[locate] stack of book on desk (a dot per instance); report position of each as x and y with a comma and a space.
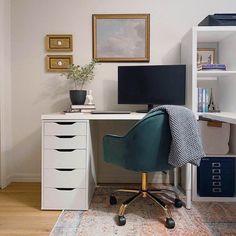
209, 67
86, 108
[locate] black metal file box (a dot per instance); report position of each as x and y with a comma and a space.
216, 177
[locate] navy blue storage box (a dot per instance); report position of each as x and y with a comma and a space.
215, 177
219, 20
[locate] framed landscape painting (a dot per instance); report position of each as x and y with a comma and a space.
121, 37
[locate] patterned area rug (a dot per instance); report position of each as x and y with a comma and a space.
144, 218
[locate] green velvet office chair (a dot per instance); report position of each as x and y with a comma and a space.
145, 148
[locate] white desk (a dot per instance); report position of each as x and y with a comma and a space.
228, 117
84, 116
49, 144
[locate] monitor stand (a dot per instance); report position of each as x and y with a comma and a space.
150, 107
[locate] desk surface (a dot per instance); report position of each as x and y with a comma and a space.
229, 117
85, 116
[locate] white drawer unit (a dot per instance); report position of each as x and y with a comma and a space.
65, 128
64, 158
64, 178
64, 142
64, 198
65, 165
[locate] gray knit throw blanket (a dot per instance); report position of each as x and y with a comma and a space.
186, 146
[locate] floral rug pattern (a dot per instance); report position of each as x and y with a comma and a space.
144, 218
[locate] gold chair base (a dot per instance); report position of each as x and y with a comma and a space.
145, 192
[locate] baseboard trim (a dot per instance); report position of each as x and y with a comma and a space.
25, 178
8, 181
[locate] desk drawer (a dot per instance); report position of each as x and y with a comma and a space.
65, 128
64, 178
64, 142
63, 158
68, 199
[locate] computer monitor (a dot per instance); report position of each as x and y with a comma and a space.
152, 85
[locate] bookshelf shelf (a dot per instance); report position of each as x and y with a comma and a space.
214, 34
215, 73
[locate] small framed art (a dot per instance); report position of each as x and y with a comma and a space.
206, 56
121, 37
59, 43
58, 63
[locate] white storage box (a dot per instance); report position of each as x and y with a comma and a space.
215, 137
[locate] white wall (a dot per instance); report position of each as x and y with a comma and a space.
5, 93
35, 92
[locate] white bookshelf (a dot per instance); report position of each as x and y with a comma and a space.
223, 83
215, 73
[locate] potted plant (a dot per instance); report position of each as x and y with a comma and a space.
80, 75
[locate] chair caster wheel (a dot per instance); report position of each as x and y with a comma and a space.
178, 203
113, 200
170, 223
121, 220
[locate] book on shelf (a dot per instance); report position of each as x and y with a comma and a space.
209, 67
199, 100
203, 99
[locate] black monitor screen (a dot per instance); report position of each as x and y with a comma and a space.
157, 84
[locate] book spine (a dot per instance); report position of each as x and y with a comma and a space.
200, 97
87, 110
204, 100
82, 106
207, 98
213, 66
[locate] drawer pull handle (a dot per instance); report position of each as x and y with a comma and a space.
216, 184
65, 150
65, 169
216, 190
216, 171
65, 123
216, 177
216, 164
65, 189
65, 136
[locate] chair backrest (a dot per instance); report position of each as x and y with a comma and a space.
148, 143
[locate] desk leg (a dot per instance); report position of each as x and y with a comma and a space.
176, 177
188, 181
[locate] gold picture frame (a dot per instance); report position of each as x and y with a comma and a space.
206, 56
121, 37
58, 63
59, 43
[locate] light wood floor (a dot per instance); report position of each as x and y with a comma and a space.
20, 212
